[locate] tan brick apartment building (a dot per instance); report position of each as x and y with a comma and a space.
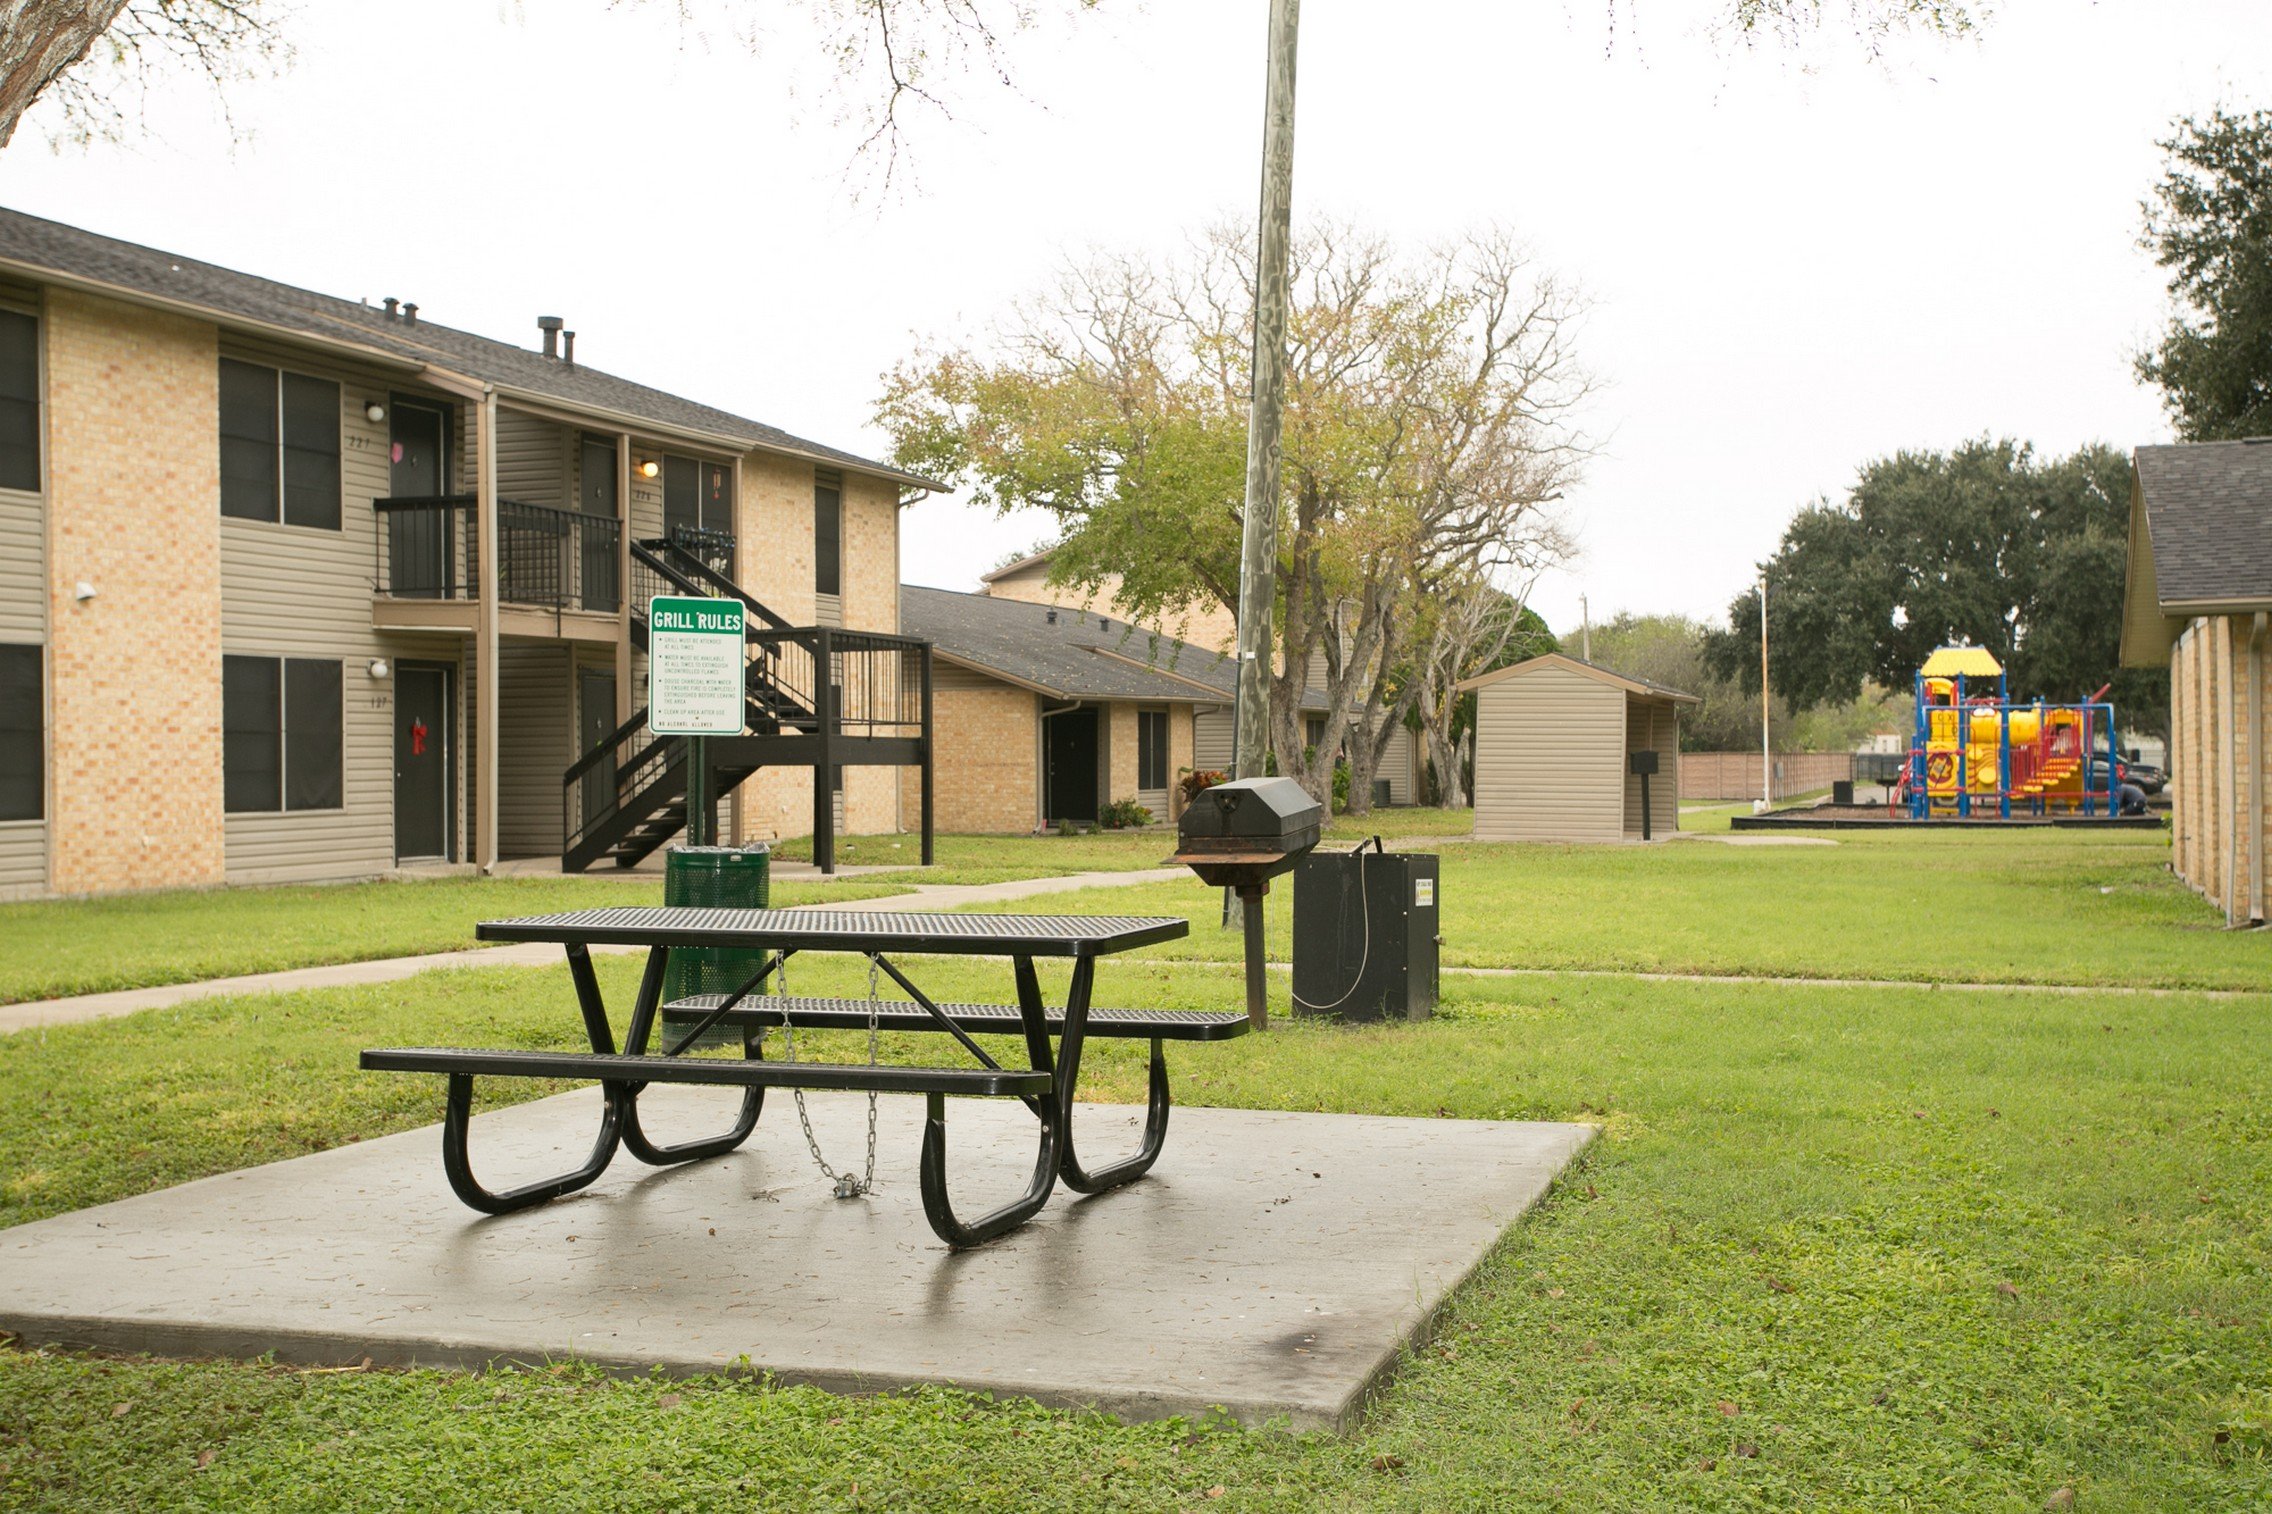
295, 587
2198, 600
1046, 713
1214, 629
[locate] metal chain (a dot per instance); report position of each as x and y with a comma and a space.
847, 1186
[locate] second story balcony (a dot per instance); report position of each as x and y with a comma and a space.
559, 572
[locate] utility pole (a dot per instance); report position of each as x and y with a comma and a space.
1586, 621
1258, 543
1766, 753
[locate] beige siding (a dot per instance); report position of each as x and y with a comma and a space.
1213, 728
23, 858
535, 731
2221, 809
23, 567
532, 460
23, 618
1549, 758
1397, 766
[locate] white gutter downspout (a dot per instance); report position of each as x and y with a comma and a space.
2256, 767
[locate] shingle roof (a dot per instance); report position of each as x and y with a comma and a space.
1593, 670
1076, 655
33, 245
2209, 519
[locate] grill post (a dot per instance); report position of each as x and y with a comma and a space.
1257, 983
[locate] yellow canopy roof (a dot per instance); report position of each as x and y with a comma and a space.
1970, 662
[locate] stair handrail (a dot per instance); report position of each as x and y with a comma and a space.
703, 579
604, 746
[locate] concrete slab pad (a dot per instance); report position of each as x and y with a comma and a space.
1272, 1264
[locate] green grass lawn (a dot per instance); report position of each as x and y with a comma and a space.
53, 947
2058, 907
1878, 1248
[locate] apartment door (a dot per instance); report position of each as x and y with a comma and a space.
1069, 765
421, 545
595, 694
422, 788
596, 495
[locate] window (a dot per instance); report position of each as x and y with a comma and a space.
280, 734
698, 494
828, 536
23, 755
1151, 749
19, 401
279, 446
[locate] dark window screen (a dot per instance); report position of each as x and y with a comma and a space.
1151, 749
828, 539
22, 745
311, 735
252, 730
682, 494
311, 452
248, 440
19, 401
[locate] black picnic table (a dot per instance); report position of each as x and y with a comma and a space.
1045, 1084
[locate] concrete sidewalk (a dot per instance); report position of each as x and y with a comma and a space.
38, 1012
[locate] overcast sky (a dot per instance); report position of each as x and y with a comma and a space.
1794, 262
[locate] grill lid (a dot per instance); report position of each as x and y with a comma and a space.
1270, 814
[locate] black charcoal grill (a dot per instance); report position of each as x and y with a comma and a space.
1239, 836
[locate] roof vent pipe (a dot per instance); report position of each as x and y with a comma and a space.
568, 348
1050, 616
391, 302
410, 313
550, 325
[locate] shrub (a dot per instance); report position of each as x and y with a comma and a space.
1340, 788
1199, 780
1124, 814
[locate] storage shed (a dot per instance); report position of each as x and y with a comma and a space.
1553, 742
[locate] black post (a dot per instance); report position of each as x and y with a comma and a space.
1257, 984
927, 754
824, 741
1644, 806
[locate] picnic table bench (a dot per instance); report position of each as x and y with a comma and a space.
1053, 1035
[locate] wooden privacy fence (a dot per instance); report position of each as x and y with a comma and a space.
1735, 775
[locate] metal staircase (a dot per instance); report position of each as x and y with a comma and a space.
626, 796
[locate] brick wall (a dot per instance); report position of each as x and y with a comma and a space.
1206, 625
134, 510
1180, 718
1117, 735
986, 767
871, 603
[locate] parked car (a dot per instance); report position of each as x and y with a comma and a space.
2143, 776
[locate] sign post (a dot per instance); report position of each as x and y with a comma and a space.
695, 663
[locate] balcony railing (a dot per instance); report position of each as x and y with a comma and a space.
548, 558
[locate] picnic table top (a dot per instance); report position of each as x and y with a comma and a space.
844, 930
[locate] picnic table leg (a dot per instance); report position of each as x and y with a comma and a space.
1048, 1109
457, 1119
635, 1139
1069, 1169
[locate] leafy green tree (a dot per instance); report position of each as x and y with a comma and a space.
2210, 224
1426, 433
1984, 544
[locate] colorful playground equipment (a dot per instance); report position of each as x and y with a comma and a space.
1971, 748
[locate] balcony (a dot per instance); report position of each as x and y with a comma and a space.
558, 571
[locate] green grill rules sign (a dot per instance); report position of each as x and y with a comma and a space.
694, 666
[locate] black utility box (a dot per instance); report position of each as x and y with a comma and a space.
1365, 934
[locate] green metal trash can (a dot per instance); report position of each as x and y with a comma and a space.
714, 877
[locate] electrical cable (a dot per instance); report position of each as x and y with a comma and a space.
1365, 958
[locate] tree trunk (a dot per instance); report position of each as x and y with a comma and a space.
1451, 780
39, 39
